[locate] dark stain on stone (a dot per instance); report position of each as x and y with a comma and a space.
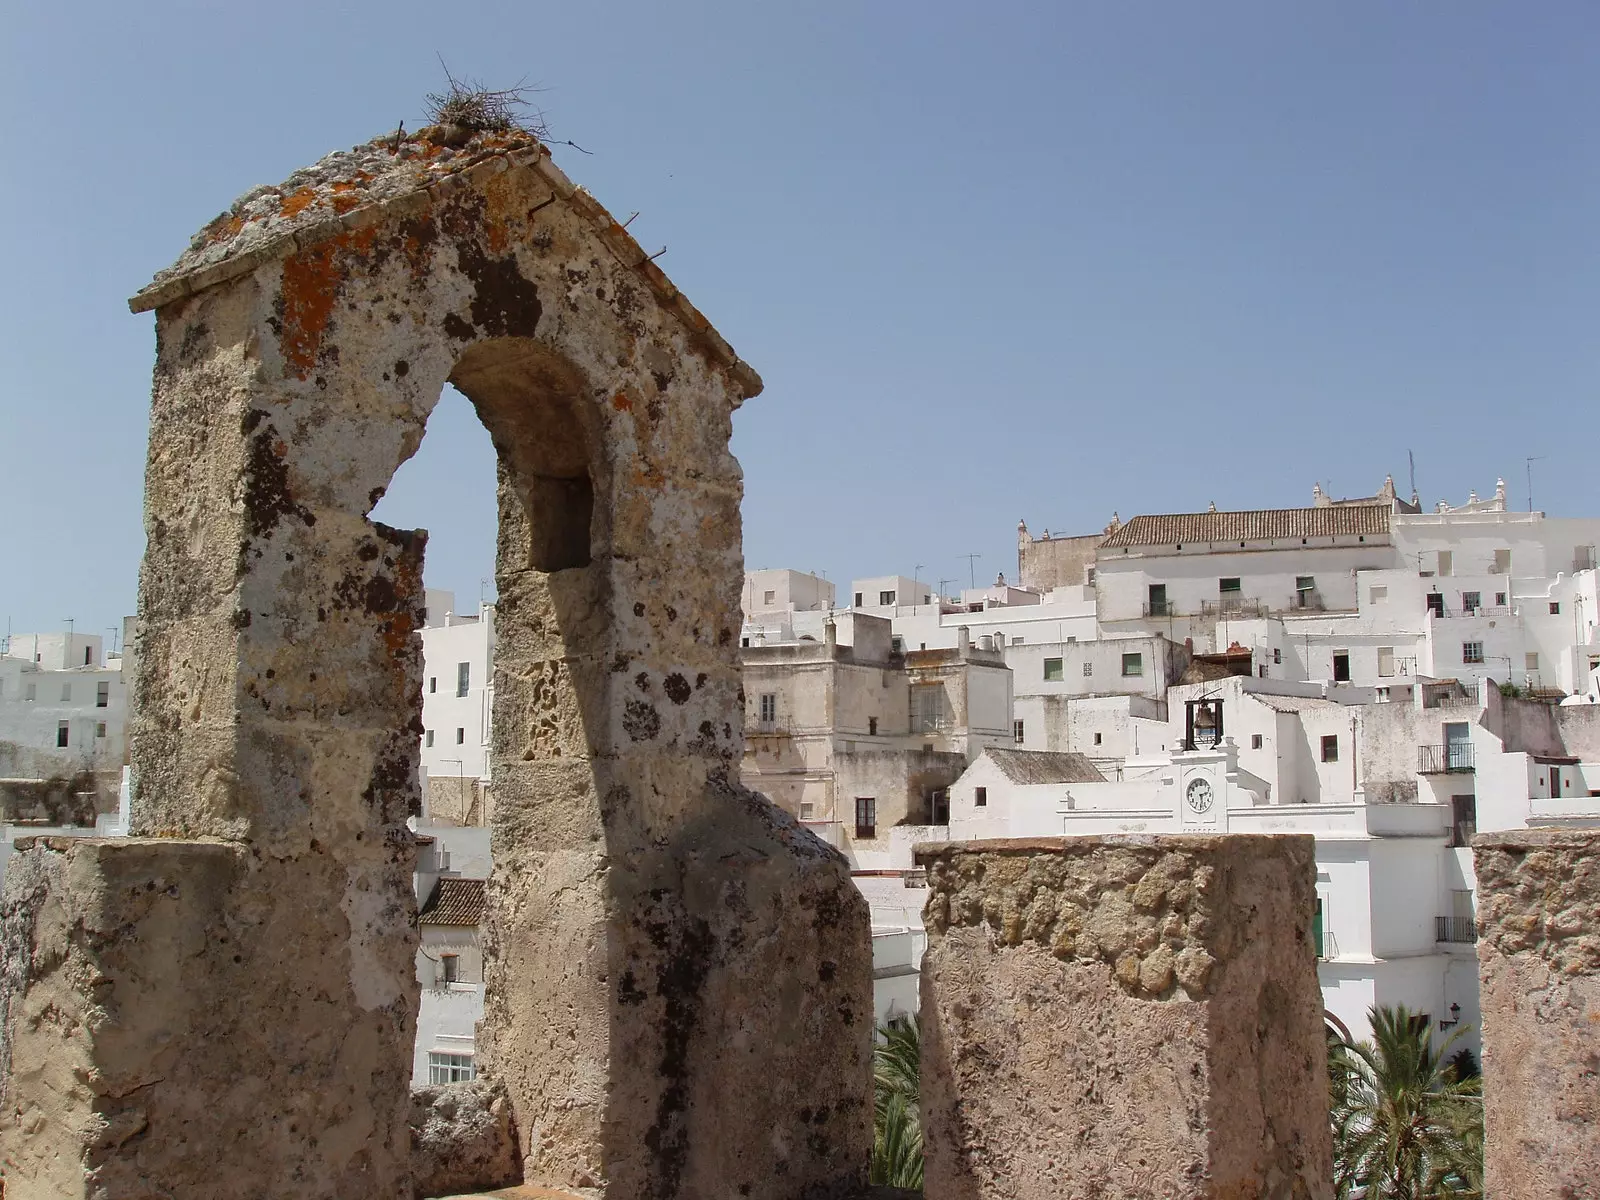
677, 688
642, 681
638, 610
241, 618
640, 720
628, 990
368, 552
672, 613
724, 637
458, 328
402, 368
267, 498
389, 789
699, 681
826, 971
619, 663
685, 947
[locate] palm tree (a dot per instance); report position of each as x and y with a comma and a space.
896, 1088
1404, 1126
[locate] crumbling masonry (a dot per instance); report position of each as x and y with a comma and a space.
223, 1005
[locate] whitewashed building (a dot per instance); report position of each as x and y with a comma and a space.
457, 702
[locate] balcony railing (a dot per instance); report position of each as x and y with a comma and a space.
1308, 600
1444, 760
772, 727
1160, 608
1461, 930
1232, 608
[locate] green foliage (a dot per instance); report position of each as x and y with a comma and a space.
1406, 1126
896, 1093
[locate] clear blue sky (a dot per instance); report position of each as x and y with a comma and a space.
993, 261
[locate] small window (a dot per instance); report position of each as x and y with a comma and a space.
769, 598
1262, 670
450, 1068
866, 816
769, 707
1530, 661
88, 656
1472, 652
427, 738
100, 729
433, 683
885, 597
1341, 666
980, 797
1277, 656
1097, 739
897, 645
1255, 741
1555, 608
102, 695
1052, 670
1330, 747
1132, 665
872, 726
66, 693
1499, 599
1378, 594
463, 678
1016, 732
808, 810
450, 967
1305, 583
62, 733
1228, 587
1436, 603
1385, 662
858, 599
1015, 640
461, 736
1471, 602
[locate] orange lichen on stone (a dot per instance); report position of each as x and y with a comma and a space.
621, 403
297, 202
310, 287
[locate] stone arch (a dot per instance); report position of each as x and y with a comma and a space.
680, 977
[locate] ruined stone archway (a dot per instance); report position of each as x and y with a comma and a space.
679, 977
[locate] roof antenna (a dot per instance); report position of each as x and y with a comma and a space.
1411, 461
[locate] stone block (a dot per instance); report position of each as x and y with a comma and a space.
462, 1139
1539, 976
1130, 1016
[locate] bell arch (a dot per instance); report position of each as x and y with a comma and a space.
679, 977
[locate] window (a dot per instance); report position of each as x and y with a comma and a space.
1097, 739
461, 736
866, 816
433, 683
808, 810
1255, 741
427, 738
1016, 732
463, 678
938, 807
102, 695
768, 707
1304, 583
450, 968
1530, 661
1158, 600
1378, 594
1471, 602
1472, 652
927, 707
1132, 665
66, 693
1330, 747
100, 729
1262, 670
769, 598
1463, 819
980, 797
61, 734
858, 599
33, 692
450, 1068
1385, 662
1502, 562
885, 597
1341, 666
1499, 599
897, 645
1277, 655
1436, 603
1228, 587
1088, 669
1555, 608
1016, 641
1052, 670
872, 726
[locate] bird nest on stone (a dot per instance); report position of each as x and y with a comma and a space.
467, 104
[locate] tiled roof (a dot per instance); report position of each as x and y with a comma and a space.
1293, 704
1043, 766
455, 902
1260, 525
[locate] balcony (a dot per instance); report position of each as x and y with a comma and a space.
771, 727
1232, 608
1450, 759
1160, 608
1459, 930
1308, 600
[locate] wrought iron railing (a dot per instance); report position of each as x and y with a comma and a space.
1455, 929
1444, 760
1232, 608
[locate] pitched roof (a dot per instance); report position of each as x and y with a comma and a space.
455, 902
1044, 766
1293, 704
1259, 525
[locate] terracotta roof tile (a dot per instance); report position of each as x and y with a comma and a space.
1259, 525
455, 902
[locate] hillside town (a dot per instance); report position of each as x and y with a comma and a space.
1386, 679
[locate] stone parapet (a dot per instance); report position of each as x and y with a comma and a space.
1539, 973
1129, 1016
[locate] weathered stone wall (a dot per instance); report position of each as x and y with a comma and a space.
1539, 969
1134, 1016
679, 978
463, 1139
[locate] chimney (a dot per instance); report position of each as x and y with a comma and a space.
964, 641
830, 633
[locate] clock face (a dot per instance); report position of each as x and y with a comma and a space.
1199, 795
